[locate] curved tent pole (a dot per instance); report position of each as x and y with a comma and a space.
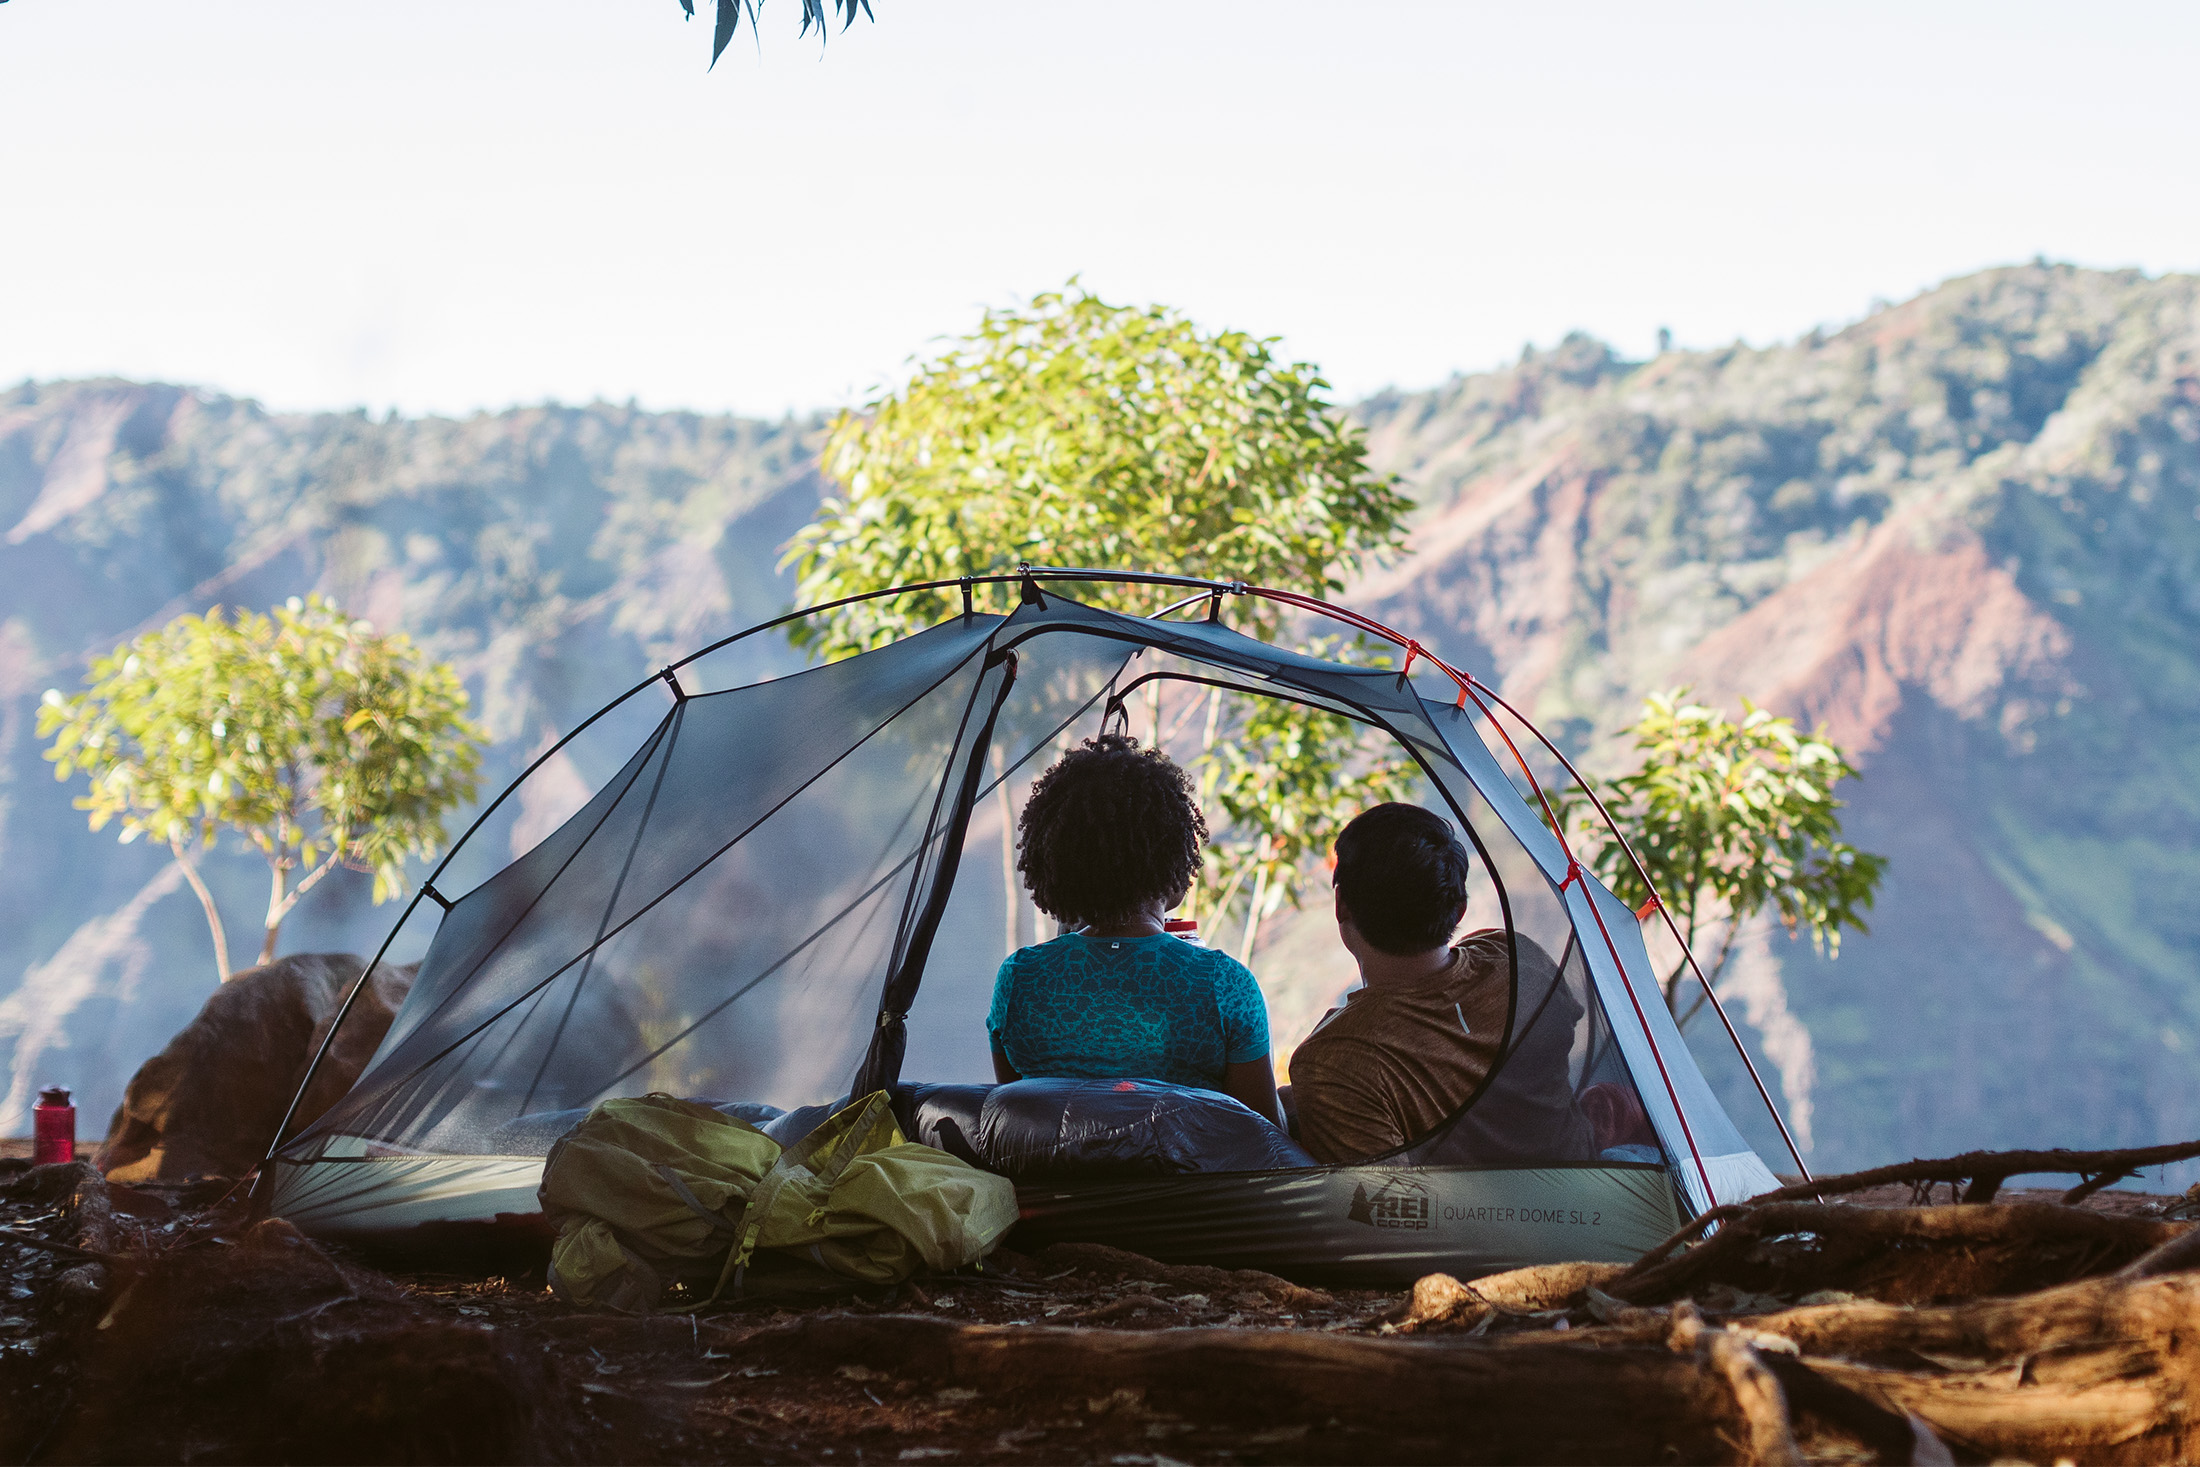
1575, 872
1026, 574
1467, 685
1658, 902
427, 888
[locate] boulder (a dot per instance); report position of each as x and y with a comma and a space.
209, 1103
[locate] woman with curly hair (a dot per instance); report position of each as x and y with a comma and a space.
1108, 843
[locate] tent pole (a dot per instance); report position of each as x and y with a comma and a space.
1643, 875
1576, 872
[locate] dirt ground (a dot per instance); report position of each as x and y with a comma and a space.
159, 1324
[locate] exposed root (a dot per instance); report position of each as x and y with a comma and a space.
1987, 1170
1115, 1262
1903, 1255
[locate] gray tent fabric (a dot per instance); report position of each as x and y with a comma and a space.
769, 897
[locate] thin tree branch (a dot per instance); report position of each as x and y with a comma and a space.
280, 905
1718, 966
213, 914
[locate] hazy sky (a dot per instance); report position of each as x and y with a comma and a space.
449, 204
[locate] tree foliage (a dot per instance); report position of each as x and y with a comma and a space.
1068, 431
317, 741
1288, 781
1072, 432
1729, 818
813, 12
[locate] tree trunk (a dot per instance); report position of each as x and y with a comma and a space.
1252, 915
279, 904
277, 909
213, 913
1011, 894
2105, 1370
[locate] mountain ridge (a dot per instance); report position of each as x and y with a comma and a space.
1963, 534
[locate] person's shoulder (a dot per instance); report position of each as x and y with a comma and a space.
1044, 956
1341, 1052
1216, 964
1358, 1028
1491, 945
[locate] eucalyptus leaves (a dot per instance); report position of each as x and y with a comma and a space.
1729, 818
1071, 432
320, 742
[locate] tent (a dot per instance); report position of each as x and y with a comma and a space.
770, 904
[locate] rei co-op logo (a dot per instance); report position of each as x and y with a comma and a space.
1396, 1202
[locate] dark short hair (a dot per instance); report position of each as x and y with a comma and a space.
1110, 827
1403, 875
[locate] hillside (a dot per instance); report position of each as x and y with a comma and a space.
1963, 533
556, 555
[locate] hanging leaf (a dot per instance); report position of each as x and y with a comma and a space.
729, 19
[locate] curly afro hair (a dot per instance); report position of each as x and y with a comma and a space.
1110, 827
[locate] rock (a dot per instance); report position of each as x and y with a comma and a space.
209, 1103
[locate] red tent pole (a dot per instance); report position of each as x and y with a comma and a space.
1471, 688
1659, 902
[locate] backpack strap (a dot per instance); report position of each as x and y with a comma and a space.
680, 1190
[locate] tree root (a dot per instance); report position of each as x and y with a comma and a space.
1098, 1258
1987, 1170
2100, 1370
1902, 1255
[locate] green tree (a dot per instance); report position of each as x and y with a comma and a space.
319, 742
1286, 784
1068, 431
1729, 818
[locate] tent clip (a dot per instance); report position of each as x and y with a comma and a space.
435, 896
967, 603
672, 681
1031, 596
888, 1018
1642, 913
1214, 605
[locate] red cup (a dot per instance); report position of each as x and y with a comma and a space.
53, 1123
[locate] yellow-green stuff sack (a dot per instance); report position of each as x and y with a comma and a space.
645, 1191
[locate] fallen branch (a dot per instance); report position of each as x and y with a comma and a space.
1098, 1258
2103, 1370
1429, 1402
1758, 1396
1906, 1255
69, 1250
1987, 1170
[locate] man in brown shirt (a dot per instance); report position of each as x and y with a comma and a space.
1415, 1043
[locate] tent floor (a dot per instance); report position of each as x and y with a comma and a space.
1359, 1226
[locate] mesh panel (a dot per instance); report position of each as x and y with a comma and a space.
716, 921
743, 908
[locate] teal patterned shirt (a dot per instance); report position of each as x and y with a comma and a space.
1127, 1008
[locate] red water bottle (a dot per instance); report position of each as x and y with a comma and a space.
53, 1122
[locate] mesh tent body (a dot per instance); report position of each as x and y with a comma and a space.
778, 899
